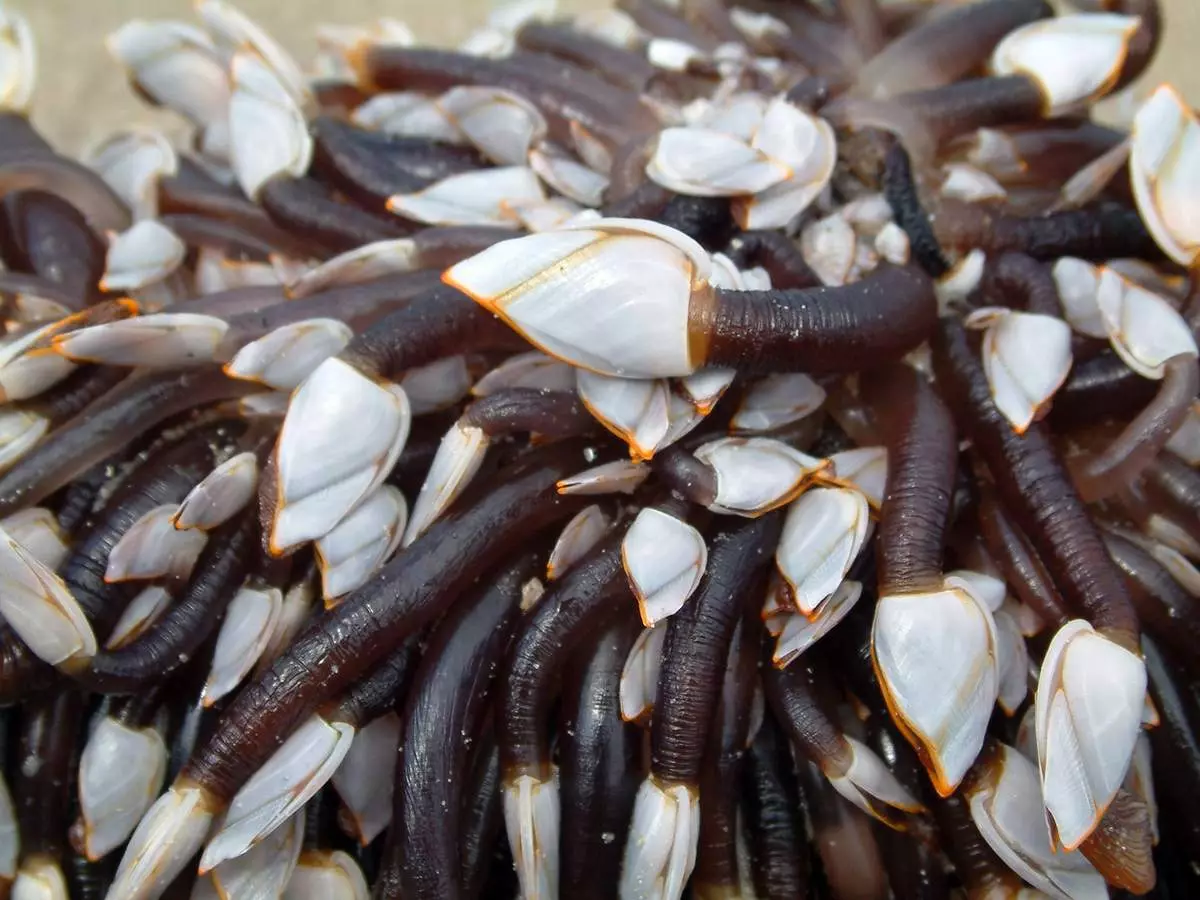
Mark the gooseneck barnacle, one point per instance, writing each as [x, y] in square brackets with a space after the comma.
[605, 459]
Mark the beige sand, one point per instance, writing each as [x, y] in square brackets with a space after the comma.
[82, 94]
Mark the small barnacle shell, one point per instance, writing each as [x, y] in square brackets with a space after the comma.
[18, 62]
[660, 851]
[320, 475]
[1026, 357]
[245, 633]
[1144, 329]
[301, 766]
[362, 542]
[1005, 800]
[177, 65]
[265, 869]
[639, 676]
[664, 558]
[145, 254]
[503, 126]
[1163, 169]
[755, 475]
[823, 533]
[161, 340]
[366, 778]
[634, 409]
[531, 818]
[703, 162]
[482, 197]
[121, 771]
[802, 631]
[283, 358]
[40, 607]
[1072, 59]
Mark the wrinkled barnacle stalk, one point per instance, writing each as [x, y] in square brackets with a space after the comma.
[586, 598]
[316, 752]
[851, 767]
[933, 643]
[670, 199]
[1082, 758]
[658, 316]
[596, 800]
[1154, 341]
[661, 848]
[404, 596]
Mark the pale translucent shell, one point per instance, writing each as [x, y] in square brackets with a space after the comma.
[1072, 59]
[1164, 169]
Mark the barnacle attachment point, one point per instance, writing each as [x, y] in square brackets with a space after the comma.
[531, 818]
[289, 779]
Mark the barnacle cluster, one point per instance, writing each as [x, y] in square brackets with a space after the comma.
[727, 450]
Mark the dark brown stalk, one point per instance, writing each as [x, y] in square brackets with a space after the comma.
[697, 645]
[552, 415]
[944, 47]
[438, 323]
[444, 712]
[1036, 490]
[717, 871]
[822, 330]
[132, 408]
[371, 166]
[335, 649]
[599, 767]
[1023, 571]
[845, 841]
[778, 254]
[306, 208]
[176, 635]
[774, 824]
[1169, 613]
[47, 237]
[1139, 442]
[590, 596]
[624, 68]
[922, 450]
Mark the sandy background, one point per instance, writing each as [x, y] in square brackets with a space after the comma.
[82, 93]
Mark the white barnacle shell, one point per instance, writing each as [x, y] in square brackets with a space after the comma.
[1164, 170]
[611, 295]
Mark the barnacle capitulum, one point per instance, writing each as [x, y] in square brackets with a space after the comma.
[606, 439]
